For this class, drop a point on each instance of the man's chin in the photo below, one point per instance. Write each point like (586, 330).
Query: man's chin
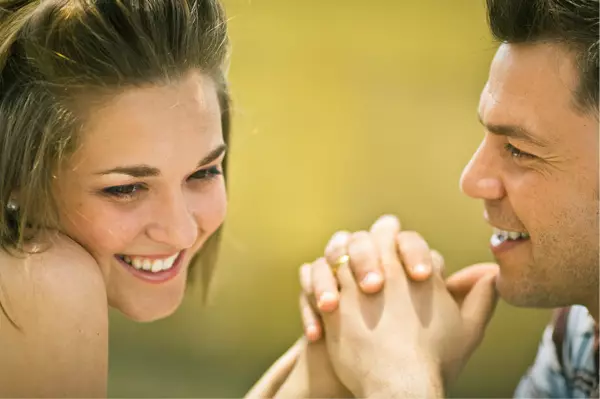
(520, 293)
(508, 289)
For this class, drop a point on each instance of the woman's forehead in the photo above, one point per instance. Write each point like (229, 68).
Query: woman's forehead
(153, 124)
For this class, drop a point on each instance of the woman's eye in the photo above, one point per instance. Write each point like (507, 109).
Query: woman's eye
(206, 173)
(129, 191)
(516, 153)
(125, 191)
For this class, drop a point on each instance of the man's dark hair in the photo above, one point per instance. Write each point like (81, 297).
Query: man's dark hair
(573, 23)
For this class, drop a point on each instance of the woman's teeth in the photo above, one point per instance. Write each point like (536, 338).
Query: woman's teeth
(499, 236)
(151, 265)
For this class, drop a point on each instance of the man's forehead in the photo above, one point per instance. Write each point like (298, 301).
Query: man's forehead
(530, 85)
(542, 74)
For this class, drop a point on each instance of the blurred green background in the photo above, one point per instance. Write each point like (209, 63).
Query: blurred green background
(344, 110)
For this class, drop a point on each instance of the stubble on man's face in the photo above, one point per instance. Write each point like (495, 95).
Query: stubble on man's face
(537, 172)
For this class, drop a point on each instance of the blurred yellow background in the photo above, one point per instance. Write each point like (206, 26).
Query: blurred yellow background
(344, 110)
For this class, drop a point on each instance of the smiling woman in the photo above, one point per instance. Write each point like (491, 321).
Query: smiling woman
(114, 119)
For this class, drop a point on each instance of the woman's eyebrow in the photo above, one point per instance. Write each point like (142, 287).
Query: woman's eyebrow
(138, 171)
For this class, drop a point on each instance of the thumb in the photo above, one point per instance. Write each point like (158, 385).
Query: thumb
(479, 304)
(271, 381)
(462, 282)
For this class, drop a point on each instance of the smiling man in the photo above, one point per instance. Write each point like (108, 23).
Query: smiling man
(536, 171)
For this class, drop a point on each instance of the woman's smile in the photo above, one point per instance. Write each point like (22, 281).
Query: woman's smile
(153, 268)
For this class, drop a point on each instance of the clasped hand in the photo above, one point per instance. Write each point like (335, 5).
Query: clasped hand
(392, 326)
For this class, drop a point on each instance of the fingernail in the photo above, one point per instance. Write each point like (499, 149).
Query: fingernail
(372, 279)
(312, 332)
(421, 269)
(327, 298)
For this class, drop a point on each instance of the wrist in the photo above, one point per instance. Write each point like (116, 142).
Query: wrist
(416, 380)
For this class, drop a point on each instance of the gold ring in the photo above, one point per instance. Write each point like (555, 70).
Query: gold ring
(339, 262)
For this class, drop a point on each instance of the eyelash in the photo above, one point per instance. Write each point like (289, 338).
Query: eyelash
(516, 153)
(129, 191)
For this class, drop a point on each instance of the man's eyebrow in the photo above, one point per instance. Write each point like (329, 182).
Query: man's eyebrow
(138, 171)
(514, 131)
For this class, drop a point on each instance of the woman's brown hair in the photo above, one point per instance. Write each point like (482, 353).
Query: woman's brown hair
(56, 56)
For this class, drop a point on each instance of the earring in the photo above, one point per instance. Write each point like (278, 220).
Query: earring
(12, 205)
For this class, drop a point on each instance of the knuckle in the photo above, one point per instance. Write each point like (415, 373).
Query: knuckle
(337, 240)
(305, 266)
(358, 236)
(362, 242)
(302, 301)
(322, 277)
(319, 264)
(361, 251)
(332, 252)
(341, 235)
(410, 236)
(387, 221)
(411, 241)
(307, 313)
(304, 271)
(437, 256)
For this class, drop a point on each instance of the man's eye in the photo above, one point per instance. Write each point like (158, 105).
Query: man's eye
(516, 153)
(126, 191)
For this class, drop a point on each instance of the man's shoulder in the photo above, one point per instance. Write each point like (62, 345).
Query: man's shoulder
(577, 316)
(565, 365)
(575, 338)
(574, 333)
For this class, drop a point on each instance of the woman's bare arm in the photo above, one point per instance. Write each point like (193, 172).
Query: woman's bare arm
(58, 301)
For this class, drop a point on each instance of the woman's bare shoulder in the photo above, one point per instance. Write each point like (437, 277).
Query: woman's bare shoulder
(54, 328)
(63, 274)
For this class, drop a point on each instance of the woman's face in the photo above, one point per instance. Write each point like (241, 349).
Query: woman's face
(145, 190)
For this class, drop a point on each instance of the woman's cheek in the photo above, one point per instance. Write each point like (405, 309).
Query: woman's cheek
(103, 229)
(211, 208)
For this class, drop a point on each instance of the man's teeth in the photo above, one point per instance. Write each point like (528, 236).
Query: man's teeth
(500, 236)
(151, 265)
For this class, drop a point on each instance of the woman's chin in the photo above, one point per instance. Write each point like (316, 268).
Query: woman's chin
(145, 311)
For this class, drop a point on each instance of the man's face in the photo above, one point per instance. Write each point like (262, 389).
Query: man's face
(537, 172)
